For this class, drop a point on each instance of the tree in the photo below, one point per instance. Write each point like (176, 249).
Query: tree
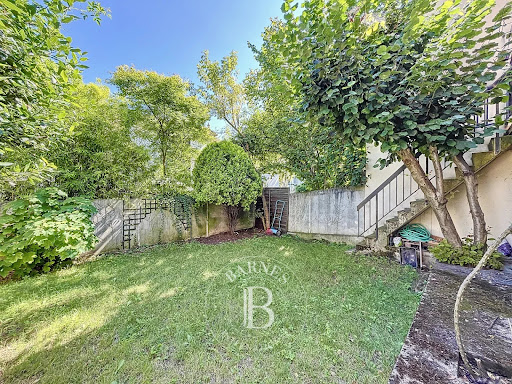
(280, 136)
(221, 91)
(100, 159)
(164, 114)
(408, 76)
(39, 68)
(224, 174)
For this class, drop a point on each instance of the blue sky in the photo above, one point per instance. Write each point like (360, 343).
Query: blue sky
(169, 36)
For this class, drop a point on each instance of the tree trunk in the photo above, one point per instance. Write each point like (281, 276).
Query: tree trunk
(164, 163)
(462, 288)
(232, 213)
(437, 202)
(479, 225)
(266, 212)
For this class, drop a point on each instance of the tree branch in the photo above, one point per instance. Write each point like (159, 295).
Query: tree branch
(477, 214)
(463, 286)
(436, 161)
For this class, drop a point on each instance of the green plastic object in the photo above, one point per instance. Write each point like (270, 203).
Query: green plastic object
(415, 232)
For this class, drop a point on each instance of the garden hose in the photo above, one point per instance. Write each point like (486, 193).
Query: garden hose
(415, 232)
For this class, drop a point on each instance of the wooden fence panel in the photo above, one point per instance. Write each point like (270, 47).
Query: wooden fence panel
(272, 195)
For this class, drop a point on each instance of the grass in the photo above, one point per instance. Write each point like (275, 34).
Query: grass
(169, 315)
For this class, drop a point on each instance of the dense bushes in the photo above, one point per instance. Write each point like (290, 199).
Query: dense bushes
(44, 231)
(224, 174)
(468, 255)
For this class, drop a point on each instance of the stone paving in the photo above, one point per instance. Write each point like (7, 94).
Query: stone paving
(430, 353)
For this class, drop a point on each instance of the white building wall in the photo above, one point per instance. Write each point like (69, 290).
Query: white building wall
(495, 195)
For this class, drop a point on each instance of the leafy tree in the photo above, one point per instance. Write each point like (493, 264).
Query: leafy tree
(221, 90)
(409, 76)
(281, 137)
(165, 115)
(100, 160)
(224, 174)
(38, 70)
(44, 231)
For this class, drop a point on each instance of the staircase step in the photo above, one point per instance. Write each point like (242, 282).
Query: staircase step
(418, 202)
(505, 143)
(482, 158)
(449, 184)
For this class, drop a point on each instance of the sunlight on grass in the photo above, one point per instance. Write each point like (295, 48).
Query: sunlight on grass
(157, 316)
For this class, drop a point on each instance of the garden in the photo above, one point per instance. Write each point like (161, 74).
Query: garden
(140, 243)
(144, 316)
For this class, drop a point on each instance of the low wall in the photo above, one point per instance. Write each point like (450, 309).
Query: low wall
(158, 227)
(329, 214)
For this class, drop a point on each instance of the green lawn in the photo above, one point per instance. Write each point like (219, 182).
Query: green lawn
(170, 315)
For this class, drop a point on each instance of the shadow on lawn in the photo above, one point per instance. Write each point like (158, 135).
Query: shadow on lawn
(137, 319)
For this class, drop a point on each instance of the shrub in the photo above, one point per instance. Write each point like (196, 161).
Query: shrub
(469, 255)
(44, 231)
(224, 174)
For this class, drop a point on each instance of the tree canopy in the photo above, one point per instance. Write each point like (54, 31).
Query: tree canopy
(407, 75)
(39, 68)
(166, 116)
(281, 136)
(224, 174)
(403, 75)
(221, 90)
(101, 158)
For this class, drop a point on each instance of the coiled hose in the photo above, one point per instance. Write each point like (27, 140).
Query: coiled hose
(415, 232)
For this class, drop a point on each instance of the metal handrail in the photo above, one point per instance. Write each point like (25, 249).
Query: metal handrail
(374, 195)
(382, 186)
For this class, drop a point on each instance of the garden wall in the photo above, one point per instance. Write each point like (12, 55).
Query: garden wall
(157, 227)
(329, 214)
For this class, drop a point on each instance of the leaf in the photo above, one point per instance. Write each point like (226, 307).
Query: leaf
(382, 50)
(11, 6)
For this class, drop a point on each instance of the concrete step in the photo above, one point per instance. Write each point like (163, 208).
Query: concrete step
(482, 158)
(383, 230)
(449, 184)
(392, 220)
(370, 236)
(417, 205)
(505, 143)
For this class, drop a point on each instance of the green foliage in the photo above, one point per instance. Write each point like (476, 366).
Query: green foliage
(167, 117)
(224, 174)
(44, 231)
(469, 255)
(221, 91)
(38, 71)
(100, 160)
(183, 208)
(404, 75)
(280, 136)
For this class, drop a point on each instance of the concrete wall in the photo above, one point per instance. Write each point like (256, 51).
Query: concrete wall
(158, 227)
(330, 214)
(108, 223)
(495, 195)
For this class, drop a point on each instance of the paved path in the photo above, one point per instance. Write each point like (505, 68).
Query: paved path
(430, 353)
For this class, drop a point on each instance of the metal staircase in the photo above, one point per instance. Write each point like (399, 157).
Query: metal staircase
(398, 200)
